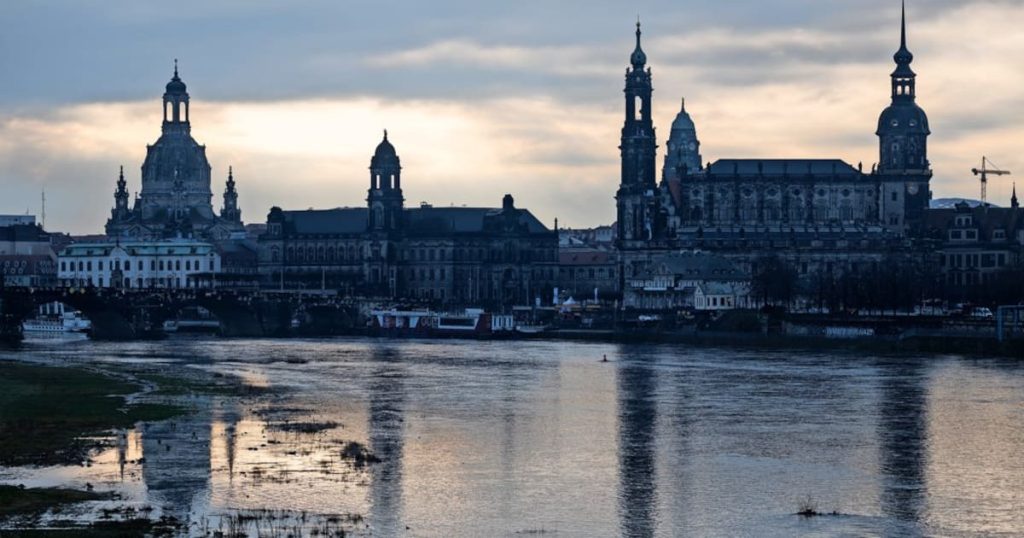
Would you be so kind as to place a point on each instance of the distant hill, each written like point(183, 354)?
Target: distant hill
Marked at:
point(949, 203)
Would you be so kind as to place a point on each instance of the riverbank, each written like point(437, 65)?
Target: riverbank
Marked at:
point(57, 416)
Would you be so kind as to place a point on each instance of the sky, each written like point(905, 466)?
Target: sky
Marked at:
point(483, 98)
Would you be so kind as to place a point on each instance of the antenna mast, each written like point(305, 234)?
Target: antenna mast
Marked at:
point(44, 208)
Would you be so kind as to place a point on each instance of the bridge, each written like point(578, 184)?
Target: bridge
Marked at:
point(133, 314)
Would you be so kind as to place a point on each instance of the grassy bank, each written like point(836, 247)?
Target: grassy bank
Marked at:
point(48, 414)
point(15, 500)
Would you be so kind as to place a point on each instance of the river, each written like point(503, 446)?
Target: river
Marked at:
point(543, 438)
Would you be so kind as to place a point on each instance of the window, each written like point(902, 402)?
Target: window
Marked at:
point(894, 196)
point(63, 266)
point(99, 265)
point(88, 265)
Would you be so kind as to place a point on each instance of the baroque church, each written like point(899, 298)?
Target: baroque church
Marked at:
point(175, 200)
point(451, 255)
point(819, 213)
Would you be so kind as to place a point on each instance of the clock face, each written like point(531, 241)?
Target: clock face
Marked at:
point(693, 146)
point(912, 188)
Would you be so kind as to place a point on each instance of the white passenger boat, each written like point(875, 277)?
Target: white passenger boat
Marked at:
point(56, 319)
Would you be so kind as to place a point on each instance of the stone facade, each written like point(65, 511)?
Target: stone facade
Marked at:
point(447, 255)
point(148, 264)
point(176, 200)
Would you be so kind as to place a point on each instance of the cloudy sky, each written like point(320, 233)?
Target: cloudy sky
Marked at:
point(482, 98)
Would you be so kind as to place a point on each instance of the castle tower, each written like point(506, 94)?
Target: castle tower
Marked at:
point(636, 201)
point(384, 197)
point(903, 146)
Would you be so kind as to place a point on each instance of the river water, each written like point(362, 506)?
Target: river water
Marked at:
point(542, 438)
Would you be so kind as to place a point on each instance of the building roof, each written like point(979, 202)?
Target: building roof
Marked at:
point(342, 220)
point(819, 168)
point(986, 220)
point(428, 219)
point(149, 248)
point(419, 221)
point(584, 256)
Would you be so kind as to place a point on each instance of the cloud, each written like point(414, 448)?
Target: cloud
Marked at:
point(483, 98)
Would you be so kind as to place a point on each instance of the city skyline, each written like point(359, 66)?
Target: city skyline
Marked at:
point(477, 113)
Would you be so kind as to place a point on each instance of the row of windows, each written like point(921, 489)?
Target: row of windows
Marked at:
point(154, 265)
point(341, 254)
point(985, 260)
point(102, 282)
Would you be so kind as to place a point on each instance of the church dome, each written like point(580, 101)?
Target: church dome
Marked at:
point(176, 86)
point(683, 121)
point(903, 117)
point(385, 149)
point(385, 154)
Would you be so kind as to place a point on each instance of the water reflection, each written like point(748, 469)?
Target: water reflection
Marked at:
point(386, 435)
point(903, 438)
point(486, 439)
point(637, 430)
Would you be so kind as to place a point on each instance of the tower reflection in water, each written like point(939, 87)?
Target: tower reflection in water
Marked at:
point(386, 431)
point(903, 439)
point(637, 431)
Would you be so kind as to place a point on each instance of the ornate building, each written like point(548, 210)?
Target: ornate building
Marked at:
point(176, 200)
point(450, 255)
point(818, 212)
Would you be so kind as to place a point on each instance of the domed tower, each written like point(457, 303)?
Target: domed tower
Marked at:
point(682, 158)
point(903, 146)
point(385, 194)
point(635, 199)
point(176, 173)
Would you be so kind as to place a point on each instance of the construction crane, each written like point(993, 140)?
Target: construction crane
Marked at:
point(984, 171)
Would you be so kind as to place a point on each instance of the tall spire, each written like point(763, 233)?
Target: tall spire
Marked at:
point(903, 25)
point(175, 68)
point(638, 58)
point(1013, 197)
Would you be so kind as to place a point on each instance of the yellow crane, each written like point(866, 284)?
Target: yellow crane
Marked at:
point(984, 171)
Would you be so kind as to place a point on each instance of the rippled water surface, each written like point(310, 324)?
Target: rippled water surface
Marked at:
point(542, 438)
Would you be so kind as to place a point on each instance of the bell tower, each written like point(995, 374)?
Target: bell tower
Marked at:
point(384, 197)
point(636, 201)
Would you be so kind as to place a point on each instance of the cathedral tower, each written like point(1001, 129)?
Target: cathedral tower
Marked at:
point(636, 199)
point(903, 146)
point(385, 194)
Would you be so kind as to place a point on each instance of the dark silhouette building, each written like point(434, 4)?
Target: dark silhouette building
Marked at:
point(449, 255)
point(176, 200)
point(820, 214)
